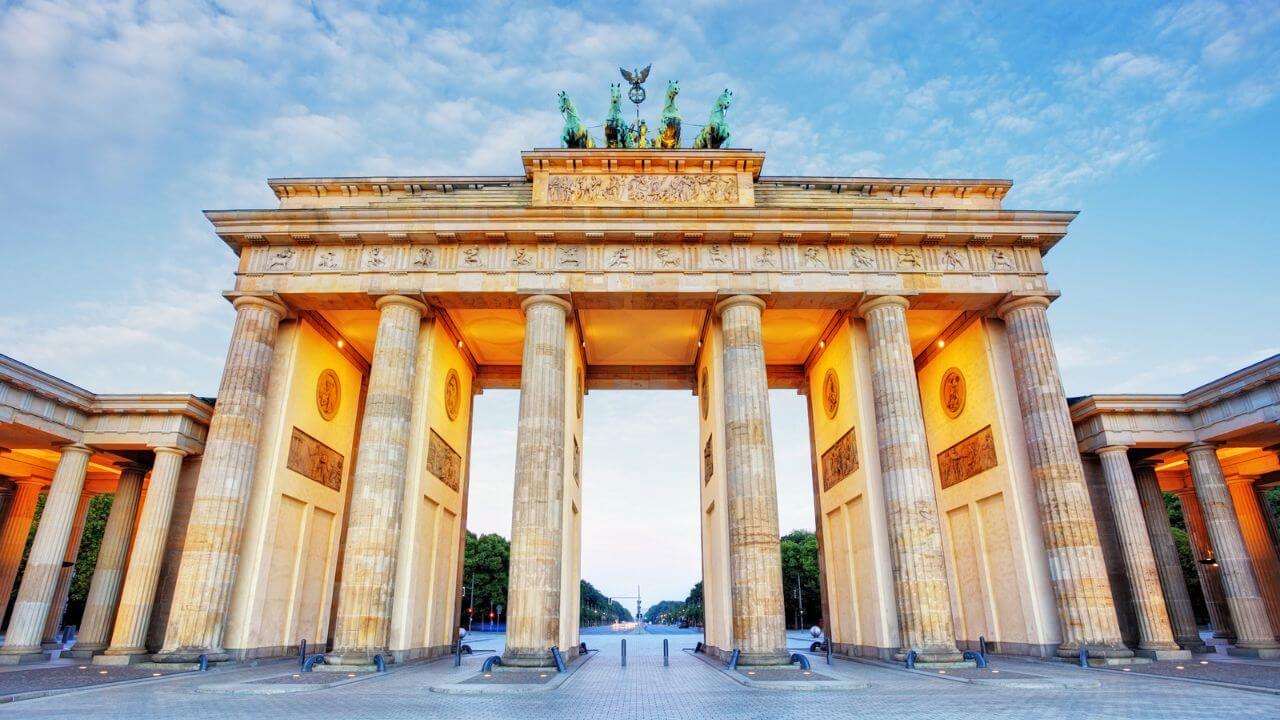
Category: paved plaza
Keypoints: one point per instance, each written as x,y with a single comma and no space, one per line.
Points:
689,688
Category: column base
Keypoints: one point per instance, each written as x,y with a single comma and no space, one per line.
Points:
129,658
765,659
1163,653
935,657
353,661
83,652
50,646
190,656
1196,646
1261,653
25,656
528,658
1102,654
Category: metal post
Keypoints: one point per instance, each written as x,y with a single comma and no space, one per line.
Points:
624,652
665,658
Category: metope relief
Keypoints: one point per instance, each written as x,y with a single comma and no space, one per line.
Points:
972,455
314,460
642,190
839,461
443,461
708,468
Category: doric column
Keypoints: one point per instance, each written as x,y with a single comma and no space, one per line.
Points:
1154,631
1257,542
755,564
108,574
377,491
1086,610
1248,613
203,590
44,561
49,638
13,535
1182,618
1207,570
129,637
915,535
533,594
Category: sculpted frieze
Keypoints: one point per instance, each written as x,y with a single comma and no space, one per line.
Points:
642,189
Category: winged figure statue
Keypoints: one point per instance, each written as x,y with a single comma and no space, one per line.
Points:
636,77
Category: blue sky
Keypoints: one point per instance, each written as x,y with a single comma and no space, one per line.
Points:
121,121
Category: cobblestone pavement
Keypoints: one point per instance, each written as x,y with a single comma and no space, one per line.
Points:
688,689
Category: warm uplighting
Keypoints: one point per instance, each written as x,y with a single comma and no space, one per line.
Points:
84,667
1126,669
459,343
942,672
822,344
341,343
1204,662
102,672
1178,667
942,343
158,675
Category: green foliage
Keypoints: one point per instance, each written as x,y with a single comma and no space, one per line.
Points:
95,524
667,612
1273,500
800,577
595,608
485,566
693,606
1186,557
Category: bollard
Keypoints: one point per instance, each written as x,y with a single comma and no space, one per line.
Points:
555,655
977,658
733,660
457,656
828,644
1084,657
380,662
911,660
302,654
624,652
204,663
665,658
798,658
982,646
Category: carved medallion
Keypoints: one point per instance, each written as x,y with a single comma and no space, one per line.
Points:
642,189
313,459
452,394
328,394
707,467
839,461
970,456
443,461
582,390
953,393
577,463
831,392
703,395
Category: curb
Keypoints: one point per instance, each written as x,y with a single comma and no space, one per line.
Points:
458,688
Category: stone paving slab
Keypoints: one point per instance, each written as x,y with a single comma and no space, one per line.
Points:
1257,676
36,682
507,681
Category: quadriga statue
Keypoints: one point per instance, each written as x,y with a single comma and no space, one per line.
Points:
575,134
716,132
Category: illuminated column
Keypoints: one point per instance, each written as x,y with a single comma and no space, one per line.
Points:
104,588
1177,601
915,535
755,564
202,593
129,636
533,597
44,562
49,638
1207,570
1154,631
377,491
1086,610
13,536
1257,542
1248,612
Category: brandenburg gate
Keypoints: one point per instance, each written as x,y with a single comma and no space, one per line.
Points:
329,498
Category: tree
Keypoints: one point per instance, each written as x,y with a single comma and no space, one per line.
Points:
1186,557
484,568
665,612
693,604
799,550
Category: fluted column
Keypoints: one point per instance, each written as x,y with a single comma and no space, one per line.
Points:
1257,542
1155,634
202,593
915,534
14,533
533,595
755,565
44,562
129,636
1210,577
1086,610
1248,613
108,574
377,491
1177,601
49,638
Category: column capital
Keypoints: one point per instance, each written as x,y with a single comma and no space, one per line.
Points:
76,448
170,450
1201,447
1241,479
28,480
1014,302
871,302
137,467
405,300
1113,449
268,303
545,299
742,299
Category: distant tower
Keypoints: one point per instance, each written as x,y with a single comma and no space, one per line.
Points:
637,603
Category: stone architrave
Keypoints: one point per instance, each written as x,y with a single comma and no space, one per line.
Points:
202,594
755,565
915,534
533,595
363,625
1257,541
1207,570
44,561
14,533
53,623
1248,612
108,575
1154,630
1177,600
128,637
1082,591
